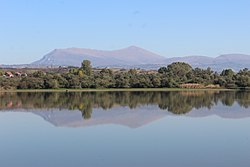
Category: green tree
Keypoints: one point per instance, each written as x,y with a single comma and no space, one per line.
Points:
179,71
62,81
227,73
31,83
243,81
122,81
38,74
73,81
243,78
86,67
229,76
162,70
155,80
80,73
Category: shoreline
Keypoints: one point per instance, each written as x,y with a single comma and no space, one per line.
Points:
115,90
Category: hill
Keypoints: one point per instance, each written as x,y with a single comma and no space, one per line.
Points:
232,61
73,57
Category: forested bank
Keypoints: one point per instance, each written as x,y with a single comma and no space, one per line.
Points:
175,75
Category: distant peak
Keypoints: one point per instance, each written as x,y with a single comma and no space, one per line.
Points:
233,56
57,50
133,47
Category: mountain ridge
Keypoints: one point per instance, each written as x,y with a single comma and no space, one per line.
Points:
126,56
135,57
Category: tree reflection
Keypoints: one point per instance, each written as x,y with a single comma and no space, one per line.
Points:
176,102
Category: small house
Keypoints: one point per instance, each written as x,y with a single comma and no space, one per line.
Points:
18,74
9,74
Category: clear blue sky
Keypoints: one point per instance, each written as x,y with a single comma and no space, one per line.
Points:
31,28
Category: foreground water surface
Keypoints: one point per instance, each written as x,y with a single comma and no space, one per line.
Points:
121,129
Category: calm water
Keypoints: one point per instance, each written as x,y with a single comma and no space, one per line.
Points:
125,129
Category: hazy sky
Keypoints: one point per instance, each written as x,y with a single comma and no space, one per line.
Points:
31,28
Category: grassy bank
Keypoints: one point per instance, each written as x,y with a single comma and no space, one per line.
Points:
114,90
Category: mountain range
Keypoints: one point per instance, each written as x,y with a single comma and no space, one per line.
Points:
123,57
135,57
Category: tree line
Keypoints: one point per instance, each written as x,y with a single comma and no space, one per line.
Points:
171,76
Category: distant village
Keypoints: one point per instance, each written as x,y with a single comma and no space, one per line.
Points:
24,72
9,74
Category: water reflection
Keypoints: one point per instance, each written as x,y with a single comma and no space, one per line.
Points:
177,102
57,107
208,141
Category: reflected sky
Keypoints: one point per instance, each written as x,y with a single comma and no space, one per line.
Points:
145,135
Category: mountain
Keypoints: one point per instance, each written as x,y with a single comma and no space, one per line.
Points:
233,61
73,57
135,57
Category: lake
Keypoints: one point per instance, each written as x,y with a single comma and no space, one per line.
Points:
121,129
